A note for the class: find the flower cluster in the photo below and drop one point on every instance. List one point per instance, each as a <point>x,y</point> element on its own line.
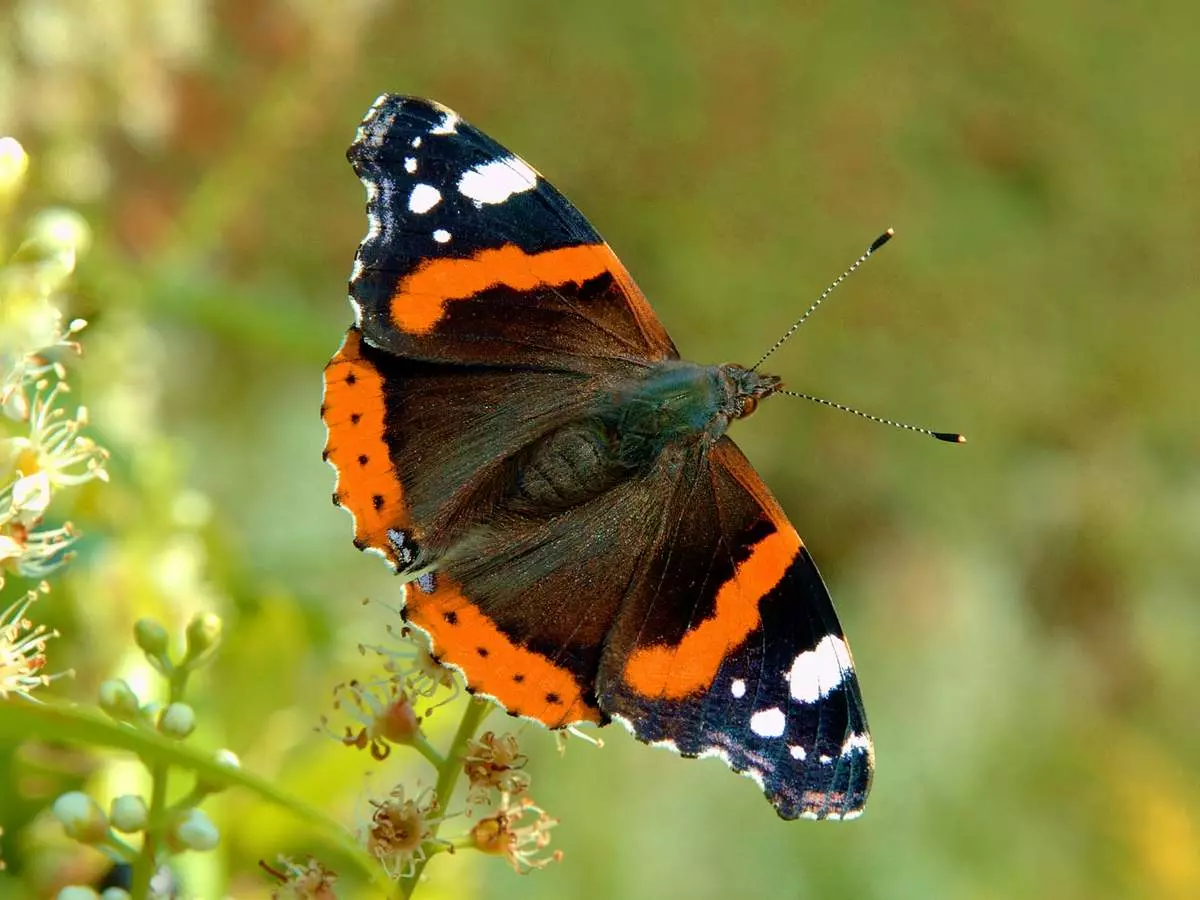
<point>403,831</point>
<point>42,447</point>
<point>165,830</point>
<point>23,648</point>
<point>82,49</point>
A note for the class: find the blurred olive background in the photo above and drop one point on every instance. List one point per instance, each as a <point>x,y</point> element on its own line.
<point>1023,609</point>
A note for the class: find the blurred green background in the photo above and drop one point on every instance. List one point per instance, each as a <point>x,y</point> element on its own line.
<point>1023,609</point>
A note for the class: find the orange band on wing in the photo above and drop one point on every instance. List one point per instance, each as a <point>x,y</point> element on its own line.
<point>355,415</point>
<point>524,682</point>
<point>674,672</point>
<point>420,299</point>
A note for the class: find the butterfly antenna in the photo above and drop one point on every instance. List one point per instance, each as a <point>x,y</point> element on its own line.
<point>875,245</point>
<point>950,437</point>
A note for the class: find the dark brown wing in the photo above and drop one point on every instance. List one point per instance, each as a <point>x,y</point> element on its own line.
<point>728,645</point>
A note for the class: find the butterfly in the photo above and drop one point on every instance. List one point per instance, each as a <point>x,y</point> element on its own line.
<point>515,432</point>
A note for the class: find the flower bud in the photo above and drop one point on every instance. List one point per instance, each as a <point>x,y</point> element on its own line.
<point>203,635</point>
<point>177,721</point>
<point>118,700</point>
<point>81,817</point>
<point>151,636</point>
<point>225,759</point>
<point>115,893</point>
<point>129,814</point>
<point>192,830</point>
<point>77,892</point>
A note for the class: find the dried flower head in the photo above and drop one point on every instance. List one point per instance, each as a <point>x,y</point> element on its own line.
<point>411,661</point>
<point>384,712</point>
<point>23,649</point>
<point>502,834</point>
<point>495,762</point>
<point>310,881</point>
<point>400,829</point>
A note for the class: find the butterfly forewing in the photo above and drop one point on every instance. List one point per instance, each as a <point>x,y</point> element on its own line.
<point>471,256</point>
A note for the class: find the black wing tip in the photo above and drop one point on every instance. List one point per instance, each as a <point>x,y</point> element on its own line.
<point>422,116</point>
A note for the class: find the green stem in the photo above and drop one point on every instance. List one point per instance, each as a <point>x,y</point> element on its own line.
<point>118,848</point>
<point>147,862</point>
<point>448,774</point>
<point>426,749</point>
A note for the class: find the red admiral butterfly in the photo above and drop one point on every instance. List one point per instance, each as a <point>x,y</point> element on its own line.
<point>514,431</point>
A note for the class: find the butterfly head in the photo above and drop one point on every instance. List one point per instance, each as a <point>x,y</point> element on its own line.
<point>744,388</point>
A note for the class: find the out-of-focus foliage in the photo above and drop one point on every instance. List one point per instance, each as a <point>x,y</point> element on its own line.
<point>1023,609</point>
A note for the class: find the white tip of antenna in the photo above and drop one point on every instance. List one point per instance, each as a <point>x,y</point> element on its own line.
<point>882,239</point>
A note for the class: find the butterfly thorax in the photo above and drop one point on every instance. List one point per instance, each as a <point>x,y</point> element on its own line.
<point>681,402</point>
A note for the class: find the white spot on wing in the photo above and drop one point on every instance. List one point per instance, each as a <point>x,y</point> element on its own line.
<point>496,181</point>
<point>410,165</point>
<point>415,142</point>
<point>768,722</point>
<point>448,125</point>
<point>856,741</point>
<point>423,198</point>
<point>816,672</point>
<point>738,688</point>
<point>797,752</point>
<point>441,235</point>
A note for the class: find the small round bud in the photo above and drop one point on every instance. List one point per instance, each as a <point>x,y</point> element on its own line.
<point>192,830</point>
<point>203,634</point>
<point>118,700</point>
<point>115,893</point>
<point>225,759</point>
<point>151,636</point>
<point>177,721</point>
<point>129,814</point>
<point>81,817</point>
<point>77,892</point>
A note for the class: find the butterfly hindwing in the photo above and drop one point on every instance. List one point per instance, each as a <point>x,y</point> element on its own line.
<point>471,256</point>
<point>729,646</point>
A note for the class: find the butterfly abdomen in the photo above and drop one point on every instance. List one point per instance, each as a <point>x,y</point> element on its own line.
<point>569,467</point>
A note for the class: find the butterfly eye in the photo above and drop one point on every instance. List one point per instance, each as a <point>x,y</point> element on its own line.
<point>749,405</point>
